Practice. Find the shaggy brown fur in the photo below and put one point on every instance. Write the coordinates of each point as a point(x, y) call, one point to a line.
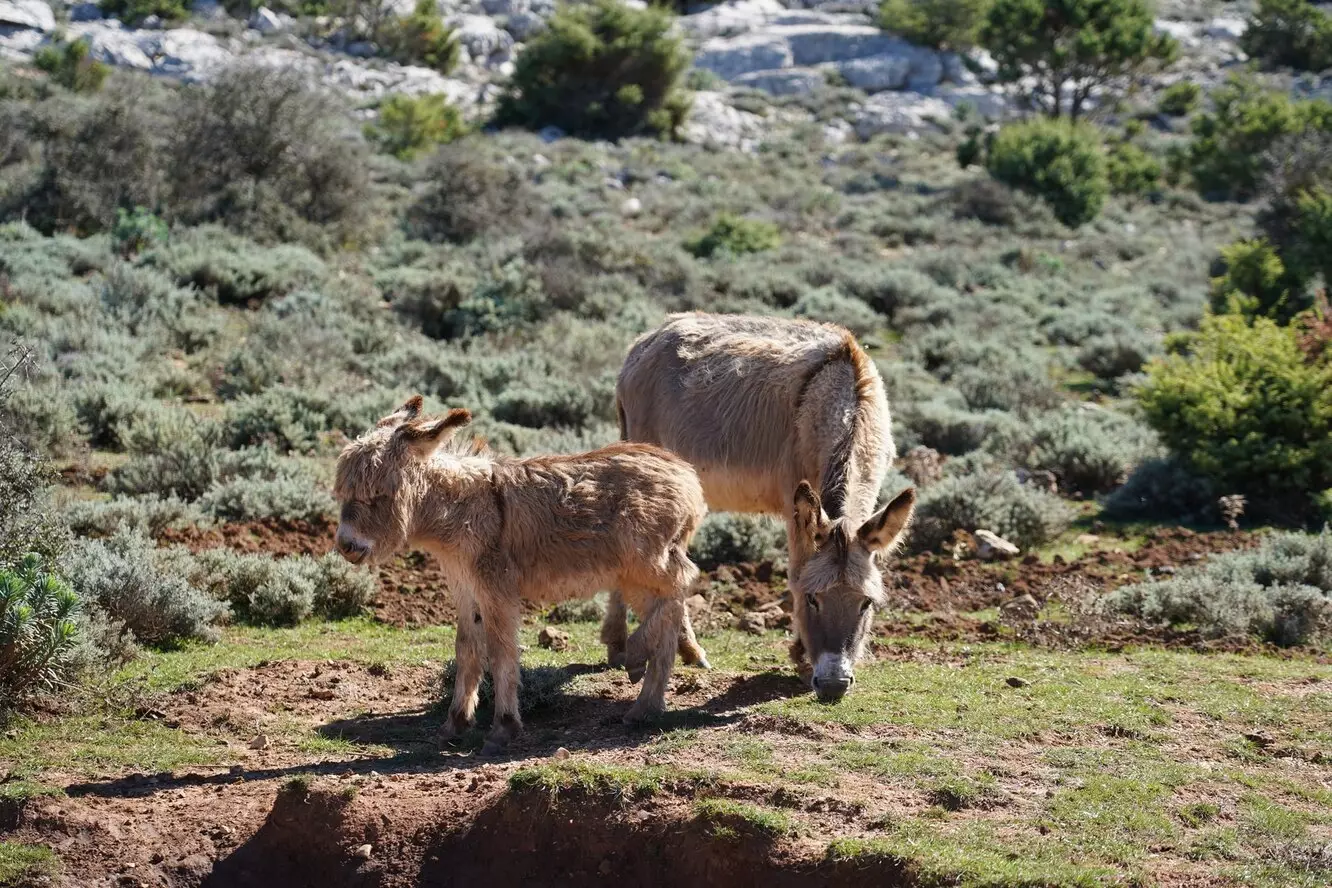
point(761, 406)
point(507, 530)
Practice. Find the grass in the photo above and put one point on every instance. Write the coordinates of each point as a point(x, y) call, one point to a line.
point(728, 818)
point(22, 865)
point(593, 778)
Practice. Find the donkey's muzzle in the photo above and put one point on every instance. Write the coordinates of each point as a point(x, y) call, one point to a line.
point(831, 690)
point(352, 550)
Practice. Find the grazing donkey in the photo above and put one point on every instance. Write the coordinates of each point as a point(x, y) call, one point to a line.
point(762, 407)
point(507, 530)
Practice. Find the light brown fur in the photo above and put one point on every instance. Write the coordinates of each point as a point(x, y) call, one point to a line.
point(759, 406)
point(508, 530)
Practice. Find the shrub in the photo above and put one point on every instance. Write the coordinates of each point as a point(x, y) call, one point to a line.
point(233, 270)
point(1179, 99)
point(1089, 451)
point(737, 539)
point(70, 66)
point(1289, 32)
point(1245, 409)
point(600, 70)
point(284, 591)
point(1132, 171)
point(1298, 216)
point(174, 453)
point(1061, 163)
point(1163, 490)
point(137, 230)
point(1073, 48)
point(938, 24)
point(954, 430)
point(408, 126)
point(420, 38)
point(261, 151)
point(146, 515)
point(1282, 592)
point(27, 522)
point(133, 12)
point(996, 502)
point(1109, 356)
point(734, 236)
point(38, 632)
point(550, 403)
point(283, 418)
point(142, 588)
point(1230, 152)
point(289, 496)
point(1256, 283)
point(466, 194)
point(830, 306)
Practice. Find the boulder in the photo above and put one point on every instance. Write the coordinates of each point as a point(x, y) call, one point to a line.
point(523, 25)
point(1184, 32)
point(185, 53)
point(112, 44)
point(816, 44)
point(992, 547)
point(29, 15)
point(555, 639)
point(898, 112)
point(988, 102)
point(783, 82)
point(1227, 28)
point(487, 44)
point(730, 58)
point(714, 123)
point(731, 18)
point(266, 21)
point(902, 66)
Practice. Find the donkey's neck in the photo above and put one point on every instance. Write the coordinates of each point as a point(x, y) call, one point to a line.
point(456, 494)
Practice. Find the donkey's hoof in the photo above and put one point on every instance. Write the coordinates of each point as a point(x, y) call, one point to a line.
point(702, 662)
point(636, 672)
point(493, 747)
point(640, 713)
point(615, 657)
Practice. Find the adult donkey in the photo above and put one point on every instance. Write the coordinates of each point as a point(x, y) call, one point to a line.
point(780, 417)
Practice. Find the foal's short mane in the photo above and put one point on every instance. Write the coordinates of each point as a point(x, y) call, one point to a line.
point(836, 472)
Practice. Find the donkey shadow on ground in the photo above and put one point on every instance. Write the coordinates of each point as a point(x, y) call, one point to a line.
point(554, 715)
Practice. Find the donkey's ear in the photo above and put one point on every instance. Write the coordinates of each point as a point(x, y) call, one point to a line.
point(425, 437)
point(886, 527)
point(811, 522)
point(406, 413)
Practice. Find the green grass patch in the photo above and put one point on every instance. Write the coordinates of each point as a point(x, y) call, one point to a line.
point(93, 744)
point(592, 778)
point(24, 864)
point(728, 818)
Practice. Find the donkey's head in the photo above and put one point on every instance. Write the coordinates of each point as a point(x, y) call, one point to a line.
point(378, 483)
point(840, 584)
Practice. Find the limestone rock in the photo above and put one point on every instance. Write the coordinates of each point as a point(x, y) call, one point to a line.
point(32, 15)
point(992, 547)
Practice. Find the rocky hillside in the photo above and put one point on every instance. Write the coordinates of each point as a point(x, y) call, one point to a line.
point(758, 63)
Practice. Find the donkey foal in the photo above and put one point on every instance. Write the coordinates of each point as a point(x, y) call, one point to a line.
point(544, 529)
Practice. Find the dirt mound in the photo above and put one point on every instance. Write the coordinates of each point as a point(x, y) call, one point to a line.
point(330, 839)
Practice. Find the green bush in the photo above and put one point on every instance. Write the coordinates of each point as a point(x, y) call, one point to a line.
point(1132, 171)
point(284, 591)
point(951, 429)
point(38, 631)
point(1060, 52)
point(997, 502)
point(734, 236)
point(147, 515)
point(70, 66)
point(136, 230)
point(1230, 151)
point(27, 521)
point(1164, 490)
point(832, 307)
point(288, 495)
point(1281, 592)
point(1297, 218)
point(1089, 451)
point(233, 270)
point(1179, 99)
point(420, 38)
point(1294, 33)
point(737, 539)
point(939, 24)
point(1245, 409)
point(551, 403)
point(1061, 163)
point(408, 126)
point(143, 590)
point(600, 70)
point(1256, 283)
point(133, 12)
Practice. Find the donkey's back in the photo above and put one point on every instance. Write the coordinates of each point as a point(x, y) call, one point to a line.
point(741, 397)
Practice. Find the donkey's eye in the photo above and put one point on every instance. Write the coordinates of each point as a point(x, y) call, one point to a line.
point(812, 603)
point(865, 605)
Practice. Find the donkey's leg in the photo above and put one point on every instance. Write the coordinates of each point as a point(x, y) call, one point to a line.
point(661, 632)
point(797, 652)
point(501, 618)
point(615, 628)
point(470, 659)
point(691, 652)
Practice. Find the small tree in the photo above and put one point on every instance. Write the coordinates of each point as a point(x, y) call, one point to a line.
point(70, 65)
point(939, 24)
point(1061, 51)
point(600, 70)
point(1290, 32)
point(1060, 162)
point(420, 38)
point(408, 126)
